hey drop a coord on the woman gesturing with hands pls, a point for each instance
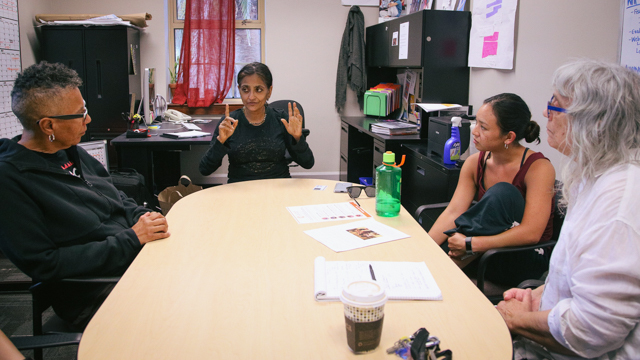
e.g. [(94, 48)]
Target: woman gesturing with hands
[(256, 137)]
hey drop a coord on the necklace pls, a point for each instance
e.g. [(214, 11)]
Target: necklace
[(244, 110)]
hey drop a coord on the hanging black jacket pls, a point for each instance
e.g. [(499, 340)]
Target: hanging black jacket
[(56, 225), (351, 62)]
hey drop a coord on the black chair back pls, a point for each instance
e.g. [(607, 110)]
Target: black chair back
[(284, 105)]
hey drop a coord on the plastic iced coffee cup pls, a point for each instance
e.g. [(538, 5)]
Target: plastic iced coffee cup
[(363, 302)]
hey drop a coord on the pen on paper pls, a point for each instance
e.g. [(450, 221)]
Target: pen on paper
[(373, 276)]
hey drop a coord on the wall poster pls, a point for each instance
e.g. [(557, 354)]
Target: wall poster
[(492, 34), (630, 37)]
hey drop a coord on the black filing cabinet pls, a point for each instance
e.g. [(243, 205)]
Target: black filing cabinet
[(107, 60), (426, 179), (438, 49)]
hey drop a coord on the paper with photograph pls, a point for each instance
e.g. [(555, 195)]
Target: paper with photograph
[(355, 235)]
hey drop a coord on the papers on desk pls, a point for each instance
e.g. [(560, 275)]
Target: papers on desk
[(327, 212), (355, 235), (437, 107), (186, 134), (402, 280)]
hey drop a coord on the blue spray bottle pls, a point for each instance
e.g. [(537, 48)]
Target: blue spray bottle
[(452, 146)]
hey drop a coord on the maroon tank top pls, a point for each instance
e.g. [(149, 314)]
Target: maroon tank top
[(518, 182)]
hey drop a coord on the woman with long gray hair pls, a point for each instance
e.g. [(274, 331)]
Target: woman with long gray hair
[(589, 306)]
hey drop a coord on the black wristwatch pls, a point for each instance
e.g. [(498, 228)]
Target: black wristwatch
[(467, 241)]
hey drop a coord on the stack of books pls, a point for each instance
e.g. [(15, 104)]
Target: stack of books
[(394, 128)]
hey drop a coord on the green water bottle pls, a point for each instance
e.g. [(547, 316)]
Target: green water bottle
[(388, 181)]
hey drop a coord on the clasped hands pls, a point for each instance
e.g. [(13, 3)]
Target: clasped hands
[(151, 226), (516, 302), (294, 125)]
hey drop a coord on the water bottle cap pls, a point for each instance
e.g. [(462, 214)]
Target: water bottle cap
[(389, 158)]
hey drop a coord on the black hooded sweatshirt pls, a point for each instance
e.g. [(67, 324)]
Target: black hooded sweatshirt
[(61, 217)]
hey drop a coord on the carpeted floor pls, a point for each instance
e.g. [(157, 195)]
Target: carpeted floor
[(15, 313)]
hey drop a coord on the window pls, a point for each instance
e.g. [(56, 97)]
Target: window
[(249, 34)]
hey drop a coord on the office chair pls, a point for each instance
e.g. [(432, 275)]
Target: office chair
[(493, 291), (39, 342), (55, 325), (284, 106)]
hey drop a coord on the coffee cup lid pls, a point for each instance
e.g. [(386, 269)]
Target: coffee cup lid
[(364, 292)]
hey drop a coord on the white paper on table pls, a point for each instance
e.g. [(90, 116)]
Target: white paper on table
[(402, 280), (492, 34), (328, 212), (343, 237), (403, 52)]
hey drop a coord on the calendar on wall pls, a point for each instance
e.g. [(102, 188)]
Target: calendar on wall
[(10, 65)]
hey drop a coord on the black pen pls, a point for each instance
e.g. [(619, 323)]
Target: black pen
[(373, 276)]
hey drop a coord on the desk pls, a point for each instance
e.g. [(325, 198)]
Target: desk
[(235, 280), (361, 150), (158, 157)]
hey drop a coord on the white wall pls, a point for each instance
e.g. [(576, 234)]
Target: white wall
[(29, 43), (550, 33), (303, 42)]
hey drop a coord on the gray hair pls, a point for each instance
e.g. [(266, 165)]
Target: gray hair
[(37, 90), (604, 119)]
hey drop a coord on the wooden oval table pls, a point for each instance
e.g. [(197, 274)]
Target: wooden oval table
[(235, 280)]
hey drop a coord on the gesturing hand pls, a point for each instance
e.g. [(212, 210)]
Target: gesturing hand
[(227, 126), (294, 126), (151, 226)]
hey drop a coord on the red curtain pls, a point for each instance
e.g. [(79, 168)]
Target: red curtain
[(207, 56)]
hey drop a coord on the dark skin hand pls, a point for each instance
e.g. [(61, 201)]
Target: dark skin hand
[(151, 226)]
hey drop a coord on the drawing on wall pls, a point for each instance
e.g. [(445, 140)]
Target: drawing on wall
[(630, 47), (492, 34), (390, 9)]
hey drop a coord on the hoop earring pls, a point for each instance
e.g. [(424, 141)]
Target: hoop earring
[(506, 146), (52, 137)]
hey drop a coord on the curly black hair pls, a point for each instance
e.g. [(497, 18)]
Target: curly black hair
[(37, 88)]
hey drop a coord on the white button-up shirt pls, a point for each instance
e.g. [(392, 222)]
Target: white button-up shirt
[(593, 287)]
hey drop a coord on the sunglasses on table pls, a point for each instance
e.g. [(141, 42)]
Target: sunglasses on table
[(355, 191)]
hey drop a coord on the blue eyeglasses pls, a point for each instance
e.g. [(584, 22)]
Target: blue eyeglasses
[(554, 108)]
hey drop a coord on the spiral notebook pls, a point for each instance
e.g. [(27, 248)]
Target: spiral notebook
[(402, 280)]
